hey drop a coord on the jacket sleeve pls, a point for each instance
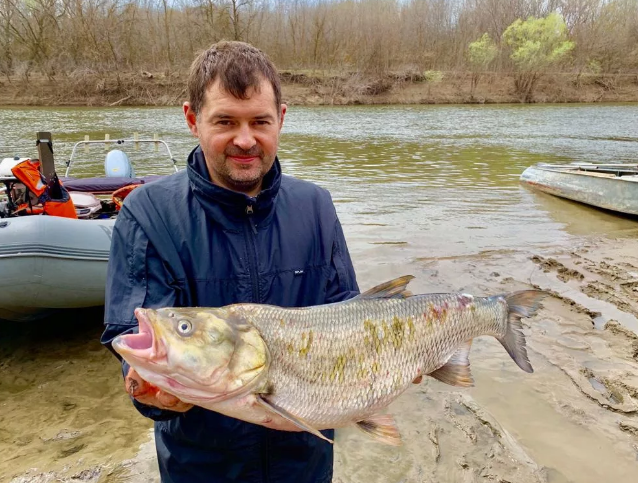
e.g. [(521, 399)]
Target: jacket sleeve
[(342, 283), (135, 278)]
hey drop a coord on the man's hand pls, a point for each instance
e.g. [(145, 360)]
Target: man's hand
[(151, 395)]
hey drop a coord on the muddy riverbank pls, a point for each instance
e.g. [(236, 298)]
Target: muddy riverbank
[(312, 89), (61, 405), (574, 420)]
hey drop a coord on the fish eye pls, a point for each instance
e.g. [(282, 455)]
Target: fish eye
[(184, 326)]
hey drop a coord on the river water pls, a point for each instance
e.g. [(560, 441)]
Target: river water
[(444, 177), (427, 190)]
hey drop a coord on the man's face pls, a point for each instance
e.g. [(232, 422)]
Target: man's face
[(239, 138)]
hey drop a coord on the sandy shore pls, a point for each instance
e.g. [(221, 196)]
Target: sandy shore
[(574, 420)]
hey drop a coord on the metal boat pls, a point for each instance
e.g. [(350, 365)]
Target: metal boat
[(612, 187)]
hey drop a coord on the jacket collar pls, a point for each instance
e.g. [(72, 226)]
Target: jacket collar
[(225, 205)]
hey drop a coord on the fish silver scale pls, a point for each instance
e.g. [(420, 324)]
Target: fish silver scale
[(338, 363)]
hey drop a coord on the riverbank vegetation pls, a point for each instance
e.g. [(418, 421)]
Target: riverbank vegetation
[(115, 52)]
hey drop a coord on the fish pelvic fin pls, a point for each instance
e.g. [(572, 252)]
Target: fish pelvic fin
[(520, 304), (456, 371), (381, 427), (393, 289), (297, 421)]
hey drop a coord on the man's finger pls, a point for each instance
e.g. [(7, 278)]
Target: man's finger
[(146, 393), (135, 388), (166, 399), (135, 385)]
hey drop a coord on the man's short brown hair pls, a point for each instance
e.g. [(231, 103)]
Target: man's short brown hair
[(237, 65)]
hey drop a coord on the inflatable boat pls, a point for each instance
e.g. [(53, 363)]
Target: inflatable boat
[(57, 262)]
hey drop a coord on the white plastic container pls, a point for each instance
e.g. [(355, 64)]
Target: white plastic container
[(7, 164)]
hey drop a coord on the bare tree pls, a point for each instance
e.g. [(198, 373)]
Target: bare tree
[(241, 14), (6, 38), (34, 25), (374, 36)]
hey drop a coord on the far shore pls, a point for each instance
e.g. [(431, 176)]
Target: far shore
[(311, 89)]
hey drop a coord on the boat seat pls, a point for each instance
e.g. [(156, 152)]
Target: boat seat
[(104, 185), (85, 204)]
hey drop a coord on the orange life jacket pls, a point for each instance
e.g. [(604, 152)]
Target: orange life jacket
[(30, 210), (119, 195), (28, 172)]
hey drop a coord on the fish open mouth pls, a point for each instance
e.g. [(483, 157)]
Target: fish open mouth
[(144, 344), (148, 353)]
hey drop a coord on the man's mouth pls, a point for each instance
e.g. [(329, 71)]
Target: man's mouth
[(243, 159)]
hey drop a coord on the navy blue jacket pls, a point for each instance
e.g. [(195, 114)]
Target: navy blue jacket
[(182, 242)]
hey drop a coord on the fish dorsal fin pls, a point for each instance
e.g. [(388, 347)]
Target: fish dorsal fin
[(292, 418), (393, 289), (456, 371), (381, 427)]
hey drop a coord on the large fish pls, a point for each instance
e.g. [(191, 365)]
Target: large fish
[(326, 366)]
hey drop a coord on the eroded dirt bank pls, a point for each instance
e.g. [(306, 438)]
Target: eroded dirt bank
[(574, 420), (161, 89)]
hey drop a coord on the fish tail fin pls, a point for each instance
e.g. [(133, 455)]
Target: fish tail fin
[(520, 304)]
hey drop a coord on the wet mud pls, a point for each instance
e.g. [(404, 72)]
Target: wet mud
[(65, 417), (574, 420)]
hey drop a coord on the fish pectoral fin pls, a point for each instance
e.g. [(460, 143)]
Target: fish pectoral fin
[(393, 289), (300, 423), (381, 427), (456, 371)]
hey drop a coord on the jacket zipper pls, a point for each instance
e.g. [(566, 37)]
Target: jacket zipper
[(251, 230), (265, 448)]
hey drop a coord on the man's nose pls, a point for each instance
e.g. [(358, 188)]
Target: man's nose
[(244, 138)]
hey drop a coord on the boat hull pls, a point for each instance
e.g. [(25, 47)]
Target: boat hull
[(49, 263), (602, 190)]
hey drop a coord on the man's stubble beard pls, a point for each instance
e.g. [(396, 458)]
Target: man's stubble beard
[(233, 178), (241, 183)]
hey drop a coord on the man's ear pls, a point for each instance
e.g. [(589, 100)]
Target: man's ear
[(191, 118), (282, 114)]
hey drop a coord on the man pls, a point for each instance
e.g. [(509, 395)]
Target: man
[(230, 228)]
